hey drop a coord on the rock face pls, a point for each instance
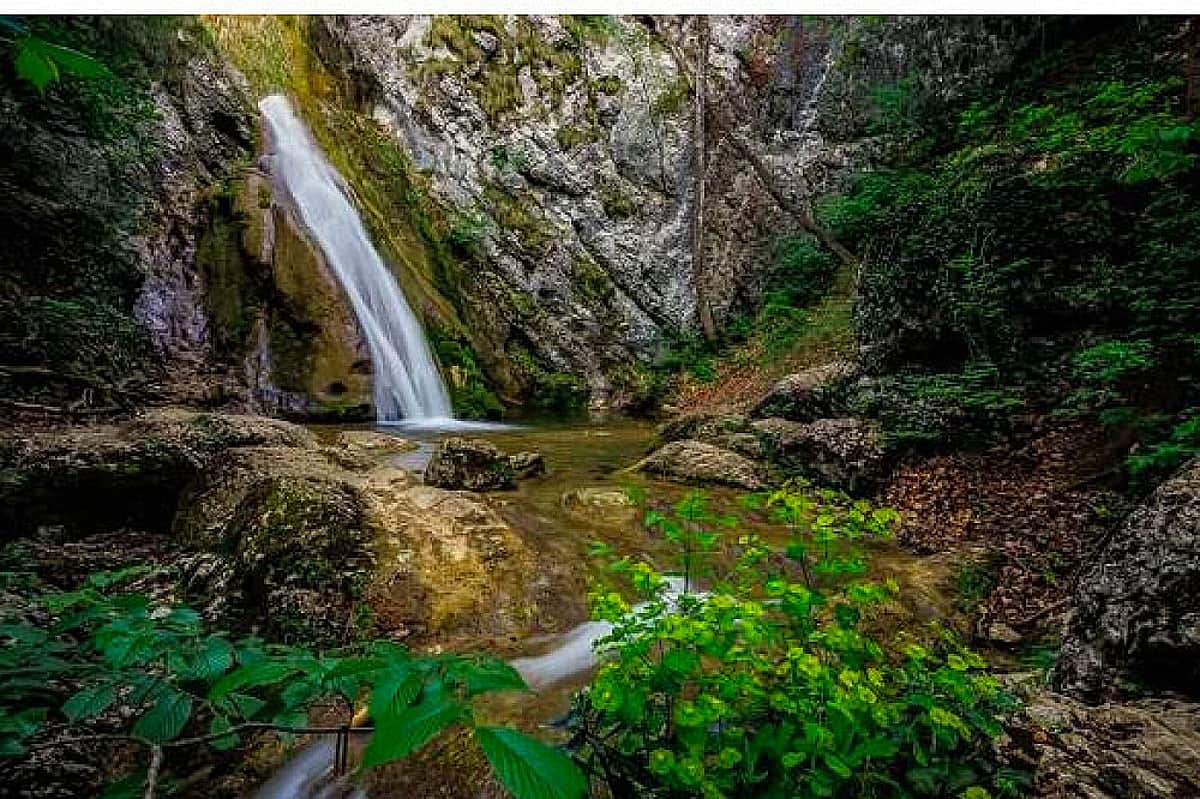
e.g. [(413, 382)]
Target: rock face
[(1137, 608), (473, 464), (103, 206), (699, 463), (805, 396), (566, 150), (1148, 749), (107, 475)]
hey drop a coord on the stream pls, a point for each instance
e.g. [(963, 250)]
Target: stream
[(581, 458)]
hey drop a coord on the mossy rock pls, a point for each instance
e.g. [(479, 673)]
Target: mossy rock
[(107, 476)]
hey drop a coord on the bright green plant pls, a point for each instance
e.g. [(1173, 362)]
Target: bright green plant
[(157, 677), (1111, 361), (42, 63), (1162, 457), (778, 680)]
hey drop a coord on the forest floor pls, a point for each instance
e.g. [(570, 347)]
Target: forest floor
[(1023, 518), (745, 372)]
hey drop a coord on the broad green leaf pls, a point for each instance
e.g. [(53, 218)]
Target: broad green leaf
[(260, 672), (837, 765), (213, 660), (398, 735), (90, 702), (246, 706), (529, 768), (488, 675), (165, 718), (394, 692), (71, 61)]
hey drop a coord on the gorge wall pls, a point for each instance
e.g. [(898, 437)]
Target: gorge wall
[(534, 181)]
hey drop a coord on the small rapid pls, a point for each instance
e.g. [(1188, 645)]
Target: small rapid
[(310, 774), (406, 382)]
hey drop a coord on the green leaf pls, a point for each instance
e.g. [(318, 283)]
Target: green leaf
[(260, 672), (219, 725), (398, 735), (90, 702), (34, 67), (394, 692), (212, 661), (491, 674), (166, 717), (529, 768), (247, 706), (837, 766), (71, 61)]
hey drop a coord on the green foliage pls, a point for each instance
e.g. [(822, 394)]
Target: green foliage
[(571, 136), (671, 99), (470, 391), (974, 581), (1037, 213), (686, 351), (1112, 361), (42, 63), (801, 271), (968, 406), (777, 680), (117, 648), (1160, 458)]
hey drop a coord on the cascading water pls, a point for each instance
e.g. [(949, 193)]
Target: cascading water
[(407, 384)]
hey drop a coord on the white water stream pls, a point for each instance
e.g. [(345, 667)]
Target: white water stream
[(309, 775), (407, 384)]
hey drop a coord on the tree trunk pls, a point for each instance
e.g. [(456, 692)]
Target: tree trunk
[(699, 135), (802, 216)]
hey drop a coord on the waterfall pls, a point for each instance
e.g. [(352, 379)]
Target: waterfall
[(407, 384)]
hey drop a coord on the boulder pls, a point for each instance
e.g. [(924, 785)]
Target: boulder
[(293, 545), (593, 502), (703, 426), (473, 464), (846, 453), (285, 545), (1148, 749), (805, 396), (107, 476), (449, 566), (1136, 610), (700, 463), (730, 431), (527, 464)]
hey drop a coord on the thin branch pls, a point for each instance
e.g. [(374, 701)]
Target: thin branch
[(264, 726)]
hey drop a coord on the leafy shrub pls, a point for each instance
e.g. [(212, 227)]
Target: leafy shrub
[(1033, 213), (801, 271), (685, 351), (119, 650), (1162, 457), (965, 407), (776, 680), (1111, 361)]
